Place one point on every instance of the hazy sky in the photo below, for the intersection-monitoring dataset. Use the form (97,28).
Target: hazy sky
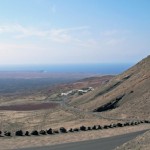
(74,31)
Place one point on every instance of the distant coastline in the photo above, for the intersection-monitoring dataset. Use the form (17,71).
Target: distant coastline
(69,68)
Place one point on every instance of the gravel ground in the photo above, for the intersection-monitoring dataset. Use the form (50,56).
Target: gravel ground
(21,142)
(141,142)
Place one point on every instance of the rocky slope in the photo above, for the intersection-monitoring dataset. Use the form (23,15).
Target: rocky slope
(124,96)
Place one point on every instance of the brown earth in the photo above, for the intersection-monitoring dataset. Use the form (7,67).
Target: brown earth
(132,87)
(141,142)
(53,93)
(35,111)
(30,106)
(31,141)
(128,92)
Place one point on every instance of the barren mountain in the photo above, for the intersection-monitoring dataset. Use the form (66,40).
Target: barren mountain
(124,96)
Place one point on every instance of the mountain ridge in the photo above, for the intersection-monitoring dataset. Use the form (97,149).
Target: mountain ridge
(130,89)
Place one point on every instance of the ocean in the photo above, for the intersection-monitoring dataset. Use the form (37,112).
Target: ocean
(70,68)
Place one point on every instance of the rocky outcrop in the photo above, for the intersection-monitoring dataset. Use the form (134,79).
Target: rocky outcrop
(110,105)
(19,133)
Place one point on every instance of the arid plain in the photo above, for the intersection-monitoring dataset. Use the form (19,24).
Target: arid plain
(113,99)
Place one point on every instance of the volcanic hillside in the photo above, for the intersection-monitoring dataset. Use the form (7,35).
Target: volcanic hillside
(124,96)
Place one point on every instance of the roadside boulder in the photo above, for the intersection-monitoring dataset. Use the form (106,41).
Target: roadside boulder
(94,127)
(0,133)
(83,128)
(63,130)
(119,125)
(19,133)
(99,127)
(76,129)
(89,128)
(42,132)
(7,133)
(49,131)
(106,127)
(26,133)
(34,132)
(70,130)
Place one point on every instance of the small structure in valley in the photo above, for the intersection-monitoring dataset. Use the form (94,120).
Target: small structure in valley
(78,91)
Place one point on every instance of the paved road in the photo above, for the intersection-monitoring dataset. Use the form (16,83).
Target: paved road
(98,144)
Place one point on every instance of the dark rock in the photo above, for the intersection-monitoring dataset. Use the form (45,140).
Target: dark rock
(110,105)
(70,130)
(106,127)
(42,132)
(35,132)
(49,131)
(94,127)
(19,133)
(132,124)
(141,121)
(114,125)
(126,124)
(7,133)
(99,127)
(119,125)
(83,128)
(89,128)
(63,130)
(136,123)
(120,97)
(127,77)
(26,133)
(76,129)
(55,131)
(146,121)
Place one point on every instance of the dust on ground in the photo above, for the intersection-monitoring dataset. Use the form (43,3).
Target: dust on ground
(22,142)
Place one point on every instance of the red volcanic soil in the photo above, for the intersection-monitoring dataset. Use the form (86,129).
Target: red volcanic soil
(28,107)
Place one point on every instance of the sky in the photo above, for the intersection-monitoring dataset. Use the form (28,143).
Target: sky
(74,31)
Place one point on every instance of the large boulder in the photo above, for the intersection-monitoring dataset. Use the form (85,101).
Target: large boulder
(34,132)
(83,128)
(89,128)
(106,127)
(49,131)
(70,130)
(99,127)
(146,121)
(63,130)
(132,123)
(127,124)
(94,127)
(43,132)
(120,125)
(114,125)
(26,133)
(76,129)
(141,121)
(0,133)
(19,133)
(7,133)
